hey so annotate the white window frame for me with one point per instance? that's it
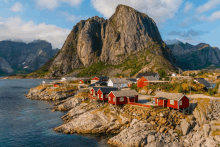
(180, 103)
(101, 95)
(114, 99)
(90, 91)
(109, 98)
(171, 102)
(157, 101)
(121, 99)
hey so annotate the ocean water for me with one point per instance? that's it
(27, 123)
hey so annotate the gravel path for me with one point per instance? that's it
(193, 96)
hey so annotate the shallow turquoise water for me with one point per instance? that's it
(25, 122)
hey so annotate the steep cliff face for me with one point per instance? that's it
(110, 41)
(19, 56)
(195, 56)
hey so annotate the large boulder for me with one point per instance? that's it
(185, 126)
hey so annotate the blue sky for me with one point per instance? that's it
(52, 20)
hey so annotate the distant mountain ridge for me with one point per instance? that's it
(127, 37)
(19, 57)
(195, 57)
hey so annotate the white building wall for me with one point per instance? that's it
(110, 83)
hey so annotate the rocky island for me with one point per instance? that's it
(134, 125)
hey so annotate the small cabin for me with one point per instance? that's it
(148, 74)
(144, 81)
(118, 82)
(103, 92)
(94, 90)
(122, 97)
(172, 100)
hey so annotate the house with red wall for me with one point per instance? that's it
(103, 92)
(122, 97)
(144, 81)
(94, 90)
(172, 100)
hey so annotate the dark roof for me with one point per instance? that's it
(107, 89)
(96, 88)
(99, 82)
(171, 96)
(103, 78)
(146, 74)
(204, 82)
(132, 80)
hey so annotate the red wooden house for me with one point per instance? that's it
(122, 97)
(144, 81)
(94, 90)
(81, 81)
(172, 100)
(103, 92)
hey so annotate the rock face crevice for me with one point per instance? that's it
(125, 33)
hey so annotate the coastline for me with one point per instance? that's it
(132, 126)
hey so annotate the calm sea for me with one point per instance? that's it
(25, 122)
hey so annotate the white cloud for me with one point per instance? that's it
(159, 10)
(215, 16)
(188, 6)
(73, 2)
(52, 4)
(16, 28)
(16, 7)
(69, 17)
(49, 4)
(207, 6)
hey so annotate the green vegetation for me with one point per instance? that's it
(93, 69)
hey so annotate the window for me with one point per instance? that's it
(101, 95)
(114, 99)
(180, 102)
(121, 99)
(109, 98)
(91, 92)
(172, 102)
(106, 95)
(157, 100)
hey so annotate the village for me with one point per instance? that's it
(145, 90)
(173, 108)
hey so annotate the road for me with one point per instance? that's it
(193, 96)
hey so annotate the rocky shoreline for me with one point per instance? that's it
(137, 126)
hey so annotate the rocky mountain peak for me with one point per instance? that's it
(111, 41)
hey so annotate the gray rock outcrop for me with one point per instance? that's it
(127, 32)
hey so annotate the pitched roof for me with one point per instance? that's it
(96, 88)
(119, 80)
(146, 74)
(132, 80)
(171, 96)
(149, 78)
(204, 82)
(107, 89)
(125, 93)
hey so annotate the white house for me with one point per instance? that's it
(118, 82)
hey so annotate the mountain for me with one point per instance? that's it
(95, 44)
(19, 57)
(195, 57)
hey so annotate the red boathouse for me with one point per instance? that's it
(172, 100)
(103, 92)
(122, 97)
(144, 81)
